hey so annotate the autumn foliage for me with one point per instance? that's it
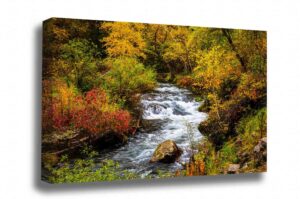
(92, 71)
(91, 112)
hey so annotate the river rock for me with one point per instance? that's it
(260, 152)
(177, 110)
(233, 169)
(152, 125)
(261, 146)
(166, 152)
(157, 108)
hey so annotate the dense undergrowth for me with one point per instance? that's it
(88, 85)
(239, 150)
(87, 170)
(232, 84)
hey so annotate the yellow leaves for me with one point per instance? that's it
(60, 30)
(213, 66)
(180, 34)
(64, 93)
(181, 48)
(124, 39)
(60, 33)
(158, 33)
(250, 44)
(174, 51)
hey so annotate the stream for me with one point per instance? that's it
(169, 112)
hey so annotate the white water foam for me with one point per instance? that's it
(170, 109)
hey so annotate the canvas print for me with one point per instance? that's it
(123, 101)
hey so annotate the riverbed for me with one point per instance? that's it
(169, 112)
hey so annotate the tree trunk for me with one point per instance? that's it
(171, 72)
(233, 47)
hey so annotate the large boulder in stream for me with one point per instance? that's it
(166, 152)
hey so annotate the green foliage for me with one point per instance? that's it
(237, 150)
(79, 64)
(87, 170)
(254, 122)
(251, 128)
(207, 153)
(180, 50)
(127, 76)
(217, 162)
(214, 162)
(228, 154)
(223, 118)
(168, 77)
(78, 50)
(252, 48)
(198, 99)
(232, 80)
(163, 174)
(58, 31)
(156, 38)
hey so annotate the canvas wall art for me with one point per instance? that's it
(123, 101)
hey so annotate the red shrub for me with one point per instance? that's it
(121, 121)
(92, 112)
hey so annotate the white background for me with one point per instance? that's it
(20, 63)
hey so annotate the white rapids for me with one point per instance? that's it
(168, 113)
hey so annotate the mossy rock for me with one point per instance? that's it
(166, 152)
(49, 159)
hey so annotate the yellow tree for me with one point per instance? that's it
(181, 47)
(124, 39)
(213, 66)
(156, 35)
(250, 48)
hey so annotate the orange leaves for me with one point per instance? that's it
(195, 168)
(185, 81)
(252, 87)
(201, 167)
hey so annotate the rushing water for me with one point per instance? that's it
(168, 113)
